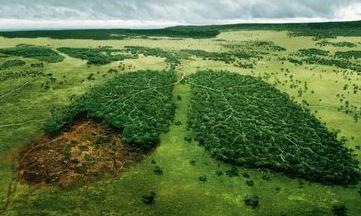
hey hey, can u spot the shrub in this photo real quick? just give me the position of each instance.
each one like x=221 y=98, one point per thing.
x=233 y=172
x=339 y=210
x=149 y=198
x=252 y=202
x=202 y=178
x=250 y=183
x=158 y=170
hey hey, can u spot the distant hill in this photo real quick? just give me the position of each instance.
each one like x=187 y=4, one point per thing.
x=317 y=30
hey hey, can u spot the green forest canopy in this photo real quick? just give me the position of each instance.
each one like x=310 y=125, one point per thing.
x=140 y=104
x=245 y=121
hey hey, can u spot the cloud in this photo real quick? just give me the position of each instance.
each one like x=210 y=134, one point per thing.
x=118 y=13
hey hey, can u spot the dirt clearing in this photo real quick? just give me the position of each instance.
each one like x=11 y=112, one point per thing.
x=84 y=152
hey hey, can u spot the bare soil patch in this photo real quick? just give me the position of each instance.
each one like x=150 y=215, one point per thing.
x=84 y=152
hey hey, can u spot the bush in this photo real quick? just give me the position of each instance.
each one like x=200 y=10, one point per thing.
x=250 y=183
x=233 y=172
x=149 y=198
x=339 y=210
x=202 y=178
x=252 y=202
x=158 y=170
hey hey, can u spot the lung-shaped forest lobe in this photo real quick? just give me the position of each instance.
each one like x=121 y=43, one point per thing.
x=245 y=121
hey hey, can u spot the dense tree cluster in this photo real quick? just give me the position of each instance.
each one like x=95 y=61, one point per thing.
x=316 y=30
x=292 y=60
x=325 y=30
x=23 y=72
x=41 y=53
x=324 y=43
x=244 y=121
x=312 y=52
x=111 y=34
x=356 y=54
x=171 y=58
x=340 y=63
x=12 y=63
x=139 y=103
x=270 y=46
x=95 y=56
x=226 y=57
x=255 y=48
x=244 y=65
x=322 y=57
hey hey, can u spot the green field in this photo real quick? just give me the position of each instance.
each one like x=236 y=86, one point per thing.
x=193 y=181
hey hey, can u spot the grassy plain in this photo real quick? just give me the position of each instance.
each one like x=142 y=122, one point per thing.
x=25 y=105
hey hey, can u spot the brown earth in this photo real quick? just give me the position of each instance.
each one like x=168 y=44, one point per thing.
x=84 y=152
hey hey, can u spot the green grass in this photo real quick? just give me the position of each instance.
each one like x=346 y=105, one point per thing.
x=178 y=190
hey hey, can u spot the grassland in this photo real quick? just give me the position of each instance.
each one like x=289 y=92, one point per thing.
x=193 y=183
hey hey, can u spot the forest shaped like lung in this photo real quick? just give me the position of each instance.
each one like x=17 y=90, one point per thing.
x=245 y=121
x=138 y=103
x=101 y=132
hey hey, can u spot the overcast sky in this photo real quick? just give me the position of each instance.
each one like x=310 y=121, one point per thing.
x=34 y=14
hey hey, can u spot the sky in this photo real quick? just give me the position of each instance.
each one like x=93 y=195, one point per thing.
x=63 y=14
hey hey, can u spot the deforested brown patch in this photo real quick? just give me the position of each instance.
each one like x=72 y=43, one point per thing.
x=84 y=152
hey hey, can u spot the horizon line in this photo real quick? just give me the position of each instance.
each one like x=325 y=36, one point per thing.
x=13 y=25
